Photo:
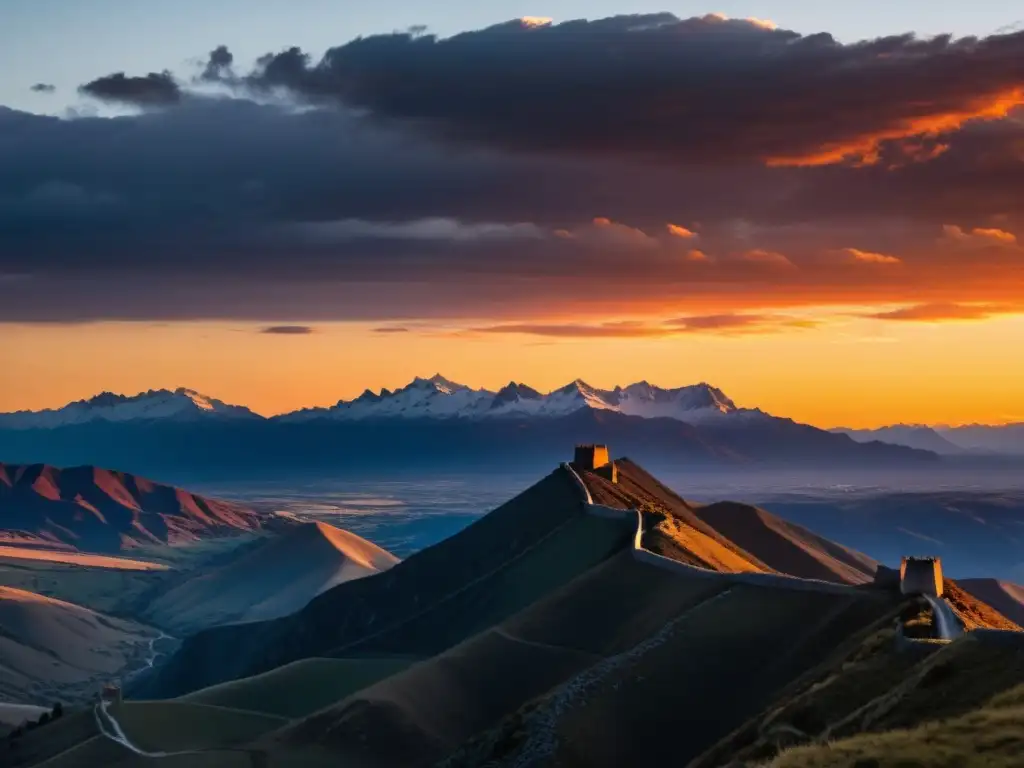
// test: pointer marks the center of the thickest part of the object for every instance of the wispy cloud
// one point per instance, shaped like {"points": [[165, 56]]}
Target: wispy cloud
{"points": [[724, 324], [288, 330], [870, 257], [937, 313], [979, 235]]}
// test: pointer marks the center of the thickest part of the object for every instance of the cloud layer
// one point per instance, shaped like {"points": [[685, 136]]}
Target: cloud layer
{"points": [[712, 169]]}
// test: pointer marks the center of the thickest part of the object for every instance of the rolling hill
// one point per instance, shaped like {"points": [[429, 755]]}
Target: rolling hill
{"points": [[271, 580], [52, 650], [1005, 597], [98, 510], [583, 622]]}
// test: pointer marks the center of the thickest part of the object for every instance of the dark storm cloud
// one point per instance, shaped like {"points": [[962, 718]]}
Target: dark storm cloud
{"points": [[43, 88], [699, 90], [218, 65], [354, 209], [288, 330], [157, 89]]}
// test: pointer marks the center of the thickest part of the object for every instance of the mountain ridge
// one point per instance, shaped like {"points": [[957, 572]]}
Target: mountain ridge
{"points": [[106, 511]]}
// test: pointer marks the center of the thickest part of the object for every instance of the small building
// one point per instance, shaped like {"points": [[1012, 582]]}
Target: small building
{"points": [[591, 457], [595, 458], [921, 576]]}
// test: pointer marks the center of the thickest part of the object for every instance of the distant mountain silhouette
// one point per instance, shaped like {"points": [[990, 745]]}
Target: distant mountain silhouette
{"points": [[248, 447]]}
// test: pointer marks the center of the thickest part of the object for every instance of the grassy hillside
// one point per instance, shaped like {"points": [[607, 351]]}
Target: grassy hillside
{"points": [[876, 686], [696, 677], [350, 613], [269, 581], [52, 650], [300, 688], [615, 653], [210, 736], [962, 706]]}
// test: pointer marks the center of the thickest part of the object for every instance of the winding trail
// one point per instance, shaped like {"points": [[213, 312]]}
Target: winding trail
{"points": [[110, 728]]}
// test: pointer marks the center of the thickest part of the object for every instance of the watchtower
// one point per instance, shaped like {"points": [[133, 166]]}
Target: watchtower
{"points": [[921, 576], [595, 458], [590, 457]]}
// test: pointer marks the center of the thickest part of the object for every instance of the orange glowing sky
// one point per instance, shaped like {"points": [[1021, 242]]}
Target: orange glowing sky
{"points": [[827, 229], [846, 371]]}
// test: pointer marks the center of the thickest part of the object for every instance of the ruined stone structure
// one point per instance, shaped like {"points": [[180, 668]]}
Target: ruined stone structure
{"points": [[591, 457], [595, 458], [921, 576]]}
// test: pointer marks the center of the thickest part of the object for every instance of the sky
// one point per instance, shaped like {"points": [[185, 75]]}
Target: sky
{"points": [[283, 204]]}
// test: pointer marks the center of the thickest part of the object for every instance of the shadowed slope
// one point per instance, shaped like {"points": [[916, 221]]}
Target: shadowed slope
{"points": [[787, 547], [47, 644], [300, 688], [461, 577], [98, 510], [272, 580]]}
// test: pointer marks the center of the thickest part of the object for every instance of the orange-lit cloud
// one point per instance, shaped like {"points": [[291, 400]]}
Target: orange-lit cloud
{"points": [[677, 231], [602, 231], [870, 257], [763, 256], [620, 330], [979, 235], [742, 323], [723, 324], [536, 21], [698, 256], [937, 313], [865, 149]]}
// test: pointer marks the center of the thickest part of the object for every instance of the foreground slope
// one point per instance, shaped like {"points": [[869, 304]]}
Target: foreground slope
{"points": [[272, 580], [636, 643], [52, 650], [549, 633], [435, 598], [98, 510]]}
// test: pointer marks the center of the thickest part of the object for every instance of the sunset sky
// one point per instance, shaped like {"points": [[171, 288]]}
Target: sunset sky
{"points": [[802, 204]]}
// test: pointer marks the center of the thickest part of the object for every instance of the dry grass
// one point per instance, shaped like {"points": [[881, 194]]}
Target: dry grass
{"points": [[893, 702], [992, 737], [974, 613], [671, 532]]}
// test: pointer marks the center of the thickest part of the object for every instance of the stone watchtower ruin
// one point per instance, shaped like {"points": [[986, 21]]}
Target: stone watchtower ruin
{"points": [[921, 576], [595, 458]]}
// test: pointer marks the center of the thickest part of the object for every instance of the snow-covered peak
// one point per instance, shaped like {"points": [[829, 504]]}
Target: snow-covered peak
{"points": [[438, 397], [436, 383], [692, 403], [180, 404]]}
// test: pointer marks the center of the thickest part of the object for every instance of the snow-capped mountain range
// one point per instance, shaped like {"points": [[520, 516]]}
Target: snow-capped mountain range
{"points": [[179, 405], [438, 397], [433, 398]]}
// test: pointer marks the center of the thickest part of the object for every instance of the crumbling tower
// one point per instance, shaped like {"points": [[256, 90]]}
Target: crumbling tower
{"points": [[921, 576]]}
